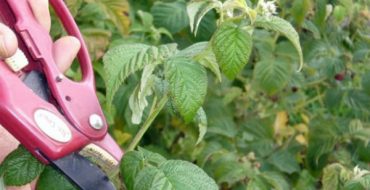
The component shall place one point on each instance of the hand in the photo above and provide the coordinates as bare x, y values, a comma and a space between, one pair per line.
64, 51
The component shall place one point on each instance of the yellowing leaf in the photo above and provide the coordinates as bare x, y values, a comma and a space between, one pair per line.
302, 128
118, 12
280, 122
301, 139
305, 118
97, 41
282, 131
121, 137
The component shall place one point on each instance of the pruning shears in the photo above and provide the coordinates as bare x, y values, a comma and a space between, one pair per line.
57, 119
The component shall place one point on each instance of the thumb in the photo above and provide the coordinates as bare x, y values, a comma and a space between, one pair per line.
64, 51
8, 42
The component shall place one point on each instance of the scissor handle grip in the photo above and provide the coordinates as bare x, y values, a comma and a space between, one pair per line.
72, 29
77, 100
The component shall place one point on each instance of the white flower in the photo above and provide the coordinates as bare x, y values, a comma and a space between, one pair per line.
268, 8
359, 172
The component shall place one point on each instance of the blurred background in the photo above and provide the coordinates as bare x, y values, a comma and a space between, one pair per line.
271, 129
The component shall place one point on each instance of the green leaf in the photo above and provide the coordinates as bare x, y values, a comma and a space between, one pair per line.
333, 98
118, 66
146, 19
231, 95
310, 26
272, 75
73, 6
184, 175
20, 167
122, 61
201, 119
257, 183
282, 26
187, 85
261, 132
152, 178
232, 46
52, 179
203, 54
207, 26
305, 181
300, 9
276, 180
144, 170
321, 140
284, 161
193, 50
167, 50
339, 13
210, 148
208, 59
138, 101
358, 100
321, 13
133, 162
358, 183
220, 119
334, 176
170, 15
198, 9
227, 168
366, 83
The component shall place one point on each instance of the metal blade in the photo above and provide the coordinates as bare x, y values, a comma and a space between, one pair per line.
36, 81
83, 173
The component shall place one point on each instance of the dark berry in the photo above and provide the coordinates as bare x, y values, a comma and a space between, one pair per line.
274, 98
340, 76
294, 89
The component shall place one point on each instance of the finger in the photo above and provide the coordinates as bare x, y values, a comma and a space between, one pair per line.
40, 9
8, 42
65, 50
7, 143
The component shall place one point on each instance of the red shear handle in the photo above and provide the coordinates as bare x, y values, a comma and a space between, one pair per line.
77, 100
72, 29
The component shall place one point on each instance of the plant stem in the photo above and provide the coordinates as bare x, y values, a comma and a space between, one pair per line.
316, 98
156, 108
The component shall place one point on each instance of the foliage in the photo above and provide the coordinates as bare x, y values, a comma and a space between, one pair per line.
13, 168
216, 83
146, 170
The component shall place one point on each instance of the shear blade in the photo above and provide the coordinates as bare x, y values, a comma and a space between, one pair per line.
83, 173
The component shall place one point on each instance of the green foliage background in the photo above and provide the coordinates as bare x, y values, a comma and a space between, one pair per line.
267, 126
270, 127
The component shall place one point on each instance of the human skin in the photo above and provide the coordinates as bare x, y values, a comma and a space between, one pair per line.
65, 50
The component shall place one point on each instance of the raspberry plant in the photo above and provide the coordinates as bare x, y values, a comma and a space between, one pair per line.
216, 83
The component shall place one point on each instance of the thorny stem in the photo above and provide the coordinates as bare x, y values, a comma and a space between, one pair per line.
156, 108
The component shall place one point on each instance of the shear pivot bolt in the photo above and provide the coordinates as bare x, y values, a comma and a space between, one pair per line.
96, 122
59, 78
